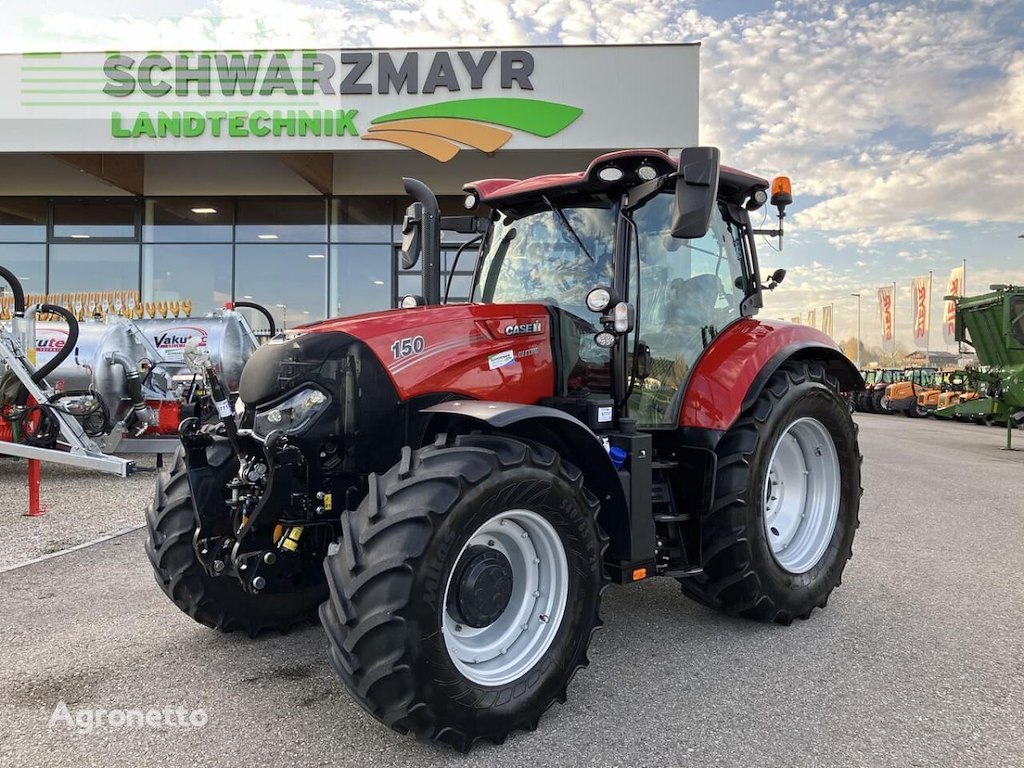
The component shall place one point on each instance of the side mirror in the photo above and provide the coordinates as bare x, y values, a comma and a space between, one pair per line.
696, 191
412, 235
775, 280
643, 360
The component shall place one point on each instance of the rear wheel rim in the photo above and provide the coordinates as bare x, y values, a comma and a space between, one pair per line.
516, 640
801, 495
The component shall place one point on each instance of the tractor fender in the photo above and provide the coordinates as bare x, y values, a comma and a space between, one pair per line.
733, 370
565, 434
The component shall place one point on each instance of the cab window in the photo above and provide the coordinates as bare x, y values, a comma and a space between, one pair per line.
689, 290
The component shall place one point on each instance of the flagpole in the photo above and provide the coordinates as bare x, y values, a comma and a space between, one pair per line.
928, 325
963, 278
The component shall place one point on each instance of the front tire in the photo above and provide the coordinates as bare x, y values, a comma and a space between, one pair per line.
465, 589
787, 498
220, 603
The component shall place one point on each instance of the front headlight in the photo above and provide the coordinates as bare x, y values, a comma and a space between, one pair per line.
292, 415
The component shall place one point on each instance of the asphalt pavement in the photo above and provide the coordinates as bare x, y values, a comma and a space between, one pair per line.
917, 661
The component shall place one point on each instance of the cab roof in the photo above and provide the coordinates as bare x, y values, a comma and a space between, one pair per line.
510, 194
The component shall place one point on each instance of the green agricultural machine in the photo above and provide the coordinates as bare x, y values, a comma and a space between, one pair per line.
993, 324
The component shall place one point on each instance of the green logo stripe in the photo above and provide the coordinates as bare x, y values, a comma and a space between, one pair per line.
541, 118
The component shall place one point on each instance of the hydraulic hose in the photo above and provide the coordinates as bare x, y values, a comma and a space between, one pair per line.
222, 402
45, 430
262, 310
134, 381
69, 346
16, 289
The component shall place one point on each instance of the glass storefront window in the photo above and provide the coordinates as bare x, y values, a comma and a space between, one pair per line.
361, 277
94, 267
188, 220
363, 219
22, 220
94, 219
198, 273
410, 282
290, 280
301, 220
28, 263
462, 280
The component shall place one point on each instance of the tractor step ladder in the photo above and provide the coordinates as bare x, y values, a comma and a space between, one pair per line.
78, 450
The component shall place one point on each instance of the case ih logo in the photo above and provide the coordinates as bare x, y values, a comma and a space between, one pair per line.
177, 338
524, 329
52, 343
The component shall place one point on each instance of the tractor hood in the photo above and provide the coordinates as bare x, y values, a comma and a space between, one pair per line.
490, 351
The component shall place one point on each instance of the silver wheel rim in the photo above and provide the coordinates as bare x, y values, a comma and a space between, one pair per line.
801, 495
511, 646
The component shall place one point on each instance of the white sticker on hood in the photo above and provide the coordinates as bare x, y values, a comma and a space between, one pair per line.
501, 358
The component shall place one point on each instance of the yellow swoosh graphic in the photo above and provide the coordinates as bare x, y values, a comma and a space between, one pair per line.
483, 137
437, 148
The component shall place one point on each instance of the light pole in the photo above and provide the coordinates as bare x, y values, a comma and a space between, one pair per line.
857, 295
284, 315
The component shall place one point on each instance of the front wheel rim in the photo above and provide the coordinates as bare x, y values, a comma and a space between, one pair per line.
801, 495
512, 644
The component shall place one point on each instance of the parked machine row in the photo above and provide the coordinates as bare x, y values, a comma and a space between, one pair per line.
991, 393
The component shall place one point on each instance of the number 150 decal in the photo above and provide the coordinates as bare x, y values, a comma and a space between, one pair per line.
409, 346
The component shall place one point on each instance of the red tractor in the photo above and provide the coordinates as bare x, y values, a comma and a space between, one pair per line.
454, 486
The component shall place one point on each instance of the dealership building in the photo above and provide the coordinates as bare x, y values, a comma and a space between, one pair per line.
276, 176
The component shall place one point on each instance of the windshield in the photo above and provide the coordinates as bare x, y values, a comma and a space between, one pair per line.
536, 258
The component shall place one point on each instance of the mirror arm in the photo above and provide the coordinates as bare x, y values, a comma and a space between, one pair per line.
641, 193
773, 232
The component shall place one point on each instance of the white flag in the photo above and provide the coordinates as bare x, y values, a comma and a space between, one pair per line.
920, 292
826, 319
885, 311
955, 287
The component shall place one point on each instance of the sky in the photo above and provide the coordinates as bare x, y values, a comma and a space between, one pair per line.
901, 124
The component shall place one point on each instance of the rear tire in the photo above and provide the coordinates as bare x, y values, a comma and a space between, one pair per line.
799, 417
876, 401
391, 634
220, 603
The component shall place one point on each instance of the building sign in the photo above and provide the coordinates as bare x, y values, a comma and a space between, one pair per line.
437, 101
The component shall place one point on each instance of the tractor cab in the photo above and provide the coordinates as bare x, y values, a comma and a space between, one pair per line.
640, 266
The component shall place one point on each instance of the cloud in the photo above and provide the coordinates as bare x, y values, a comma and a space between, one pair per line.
894, 121
901, 123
